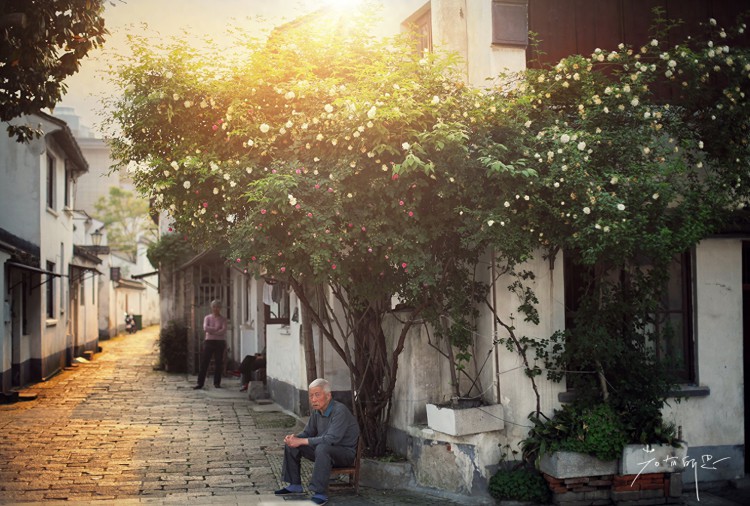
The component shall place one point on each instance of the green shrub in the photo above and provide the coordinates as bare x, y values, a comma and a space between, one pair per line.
519, 485
173, 347
597, 431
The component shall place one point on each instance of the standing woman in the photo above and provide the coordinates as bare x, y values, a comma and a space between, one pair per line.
214, 345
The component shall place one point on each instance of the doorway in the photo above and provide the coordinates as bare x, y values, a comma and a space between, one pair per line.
746, 343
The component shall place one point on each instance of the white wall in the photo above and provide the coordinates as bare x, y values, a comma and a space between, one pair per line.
718, 418
56, 245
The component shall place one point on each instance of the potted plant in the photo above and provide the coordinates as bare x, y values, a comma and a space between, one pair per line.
453, 316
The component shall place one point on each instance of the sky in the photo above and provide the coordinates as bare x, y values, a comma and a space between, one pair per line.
167, 17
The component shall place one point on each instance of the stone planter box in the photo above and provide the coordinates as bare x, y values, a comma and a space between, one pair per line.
460, 422
563, 465
651, 459
642, 476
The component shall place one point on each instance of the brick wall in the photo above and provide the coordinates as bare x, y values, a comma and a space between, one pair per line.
623, 490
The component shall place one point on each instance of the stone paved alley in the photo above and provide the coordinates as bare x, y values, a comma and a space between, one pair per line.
116, 430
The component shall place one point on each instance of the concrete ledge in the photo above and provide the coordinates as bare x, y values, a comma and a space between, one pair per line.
386, 475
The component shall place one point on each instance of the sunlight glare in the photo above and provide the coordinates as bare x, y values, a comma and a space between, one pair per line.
341, 4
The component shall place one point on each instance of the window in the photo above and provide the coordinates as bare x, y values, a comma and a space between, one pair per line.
673, 322
25, 301
50, 182
421, 24
276, 302
50, 292
68, 180
510, 22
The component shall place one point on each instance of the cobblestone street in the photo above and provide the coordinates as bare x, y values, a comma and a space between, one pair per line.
115, 429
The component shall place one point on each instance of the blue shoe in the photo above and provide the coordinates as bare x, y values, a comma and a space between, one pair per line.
319, 499
289, 489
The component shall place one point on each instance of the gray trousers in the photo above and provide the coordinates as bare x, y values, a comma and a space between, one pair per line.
325, 457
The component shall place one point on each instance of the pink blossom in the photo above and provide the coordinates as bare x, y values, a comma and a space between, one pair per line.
394, 177
298, 171
262, 211
333, 266
401, 202
330, 190
252, 258
297, 206
411, 213
309, 215
238, 260
215, 128
403, 264
283, 269
364, 229
317, 187
205, 204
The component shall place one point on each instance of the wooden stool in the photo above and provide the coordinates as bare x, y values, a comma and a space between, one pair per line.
352, 472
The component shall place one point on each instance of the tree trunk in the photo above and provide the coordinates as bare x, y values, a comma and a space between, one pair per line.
307, 339
371, 384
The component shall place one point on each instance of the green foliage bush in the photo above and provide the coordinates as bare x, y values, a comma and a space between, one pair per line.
173, 347
171, 249
519, 485
597, 431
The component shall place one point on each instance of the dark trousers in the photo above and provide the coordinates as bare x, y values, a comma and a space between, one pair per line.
249, 365
325, 457
215, 349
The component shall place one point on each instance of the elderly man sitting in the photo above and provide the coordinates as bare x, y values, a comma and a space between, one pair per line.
329, 439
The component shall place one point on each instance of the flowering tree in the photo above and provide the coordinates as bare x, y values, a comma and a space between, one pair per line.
637, 154
321, 157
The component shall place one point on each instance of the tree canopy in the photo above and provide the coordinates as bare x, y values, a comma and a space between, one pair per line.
126, 218
43, 43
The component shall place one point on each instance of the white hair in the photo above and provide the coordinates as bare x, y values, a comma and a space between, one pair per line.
320, 382
216, 302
